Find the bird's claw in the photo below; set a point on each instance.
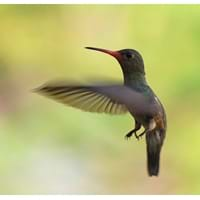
(137, 137)
(140, 135)
(129, 135)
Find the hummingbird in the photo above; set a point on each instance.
(134, 96)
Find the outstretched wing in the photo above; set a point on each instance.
(87, 98)
(112, 99)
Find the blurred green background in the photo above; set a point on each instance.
(48, 148)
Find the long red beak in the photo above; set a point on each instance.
(115, 54)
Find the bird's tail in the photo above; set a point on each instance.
(154, 141)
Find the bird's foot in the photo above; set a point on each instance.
(129, 135)
(141, 134)
(136, 136)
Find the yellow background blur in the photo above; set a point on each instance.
(48, 148)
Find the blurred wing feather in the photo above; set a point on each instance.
(87, 98)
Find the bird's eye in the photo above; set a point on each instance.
(129, 55)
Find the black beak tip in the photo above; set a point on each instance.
(89, 48)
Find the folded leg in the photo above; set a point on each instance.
(137, 127)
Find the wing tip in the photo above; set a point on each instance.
(39, 89)
(36, 90)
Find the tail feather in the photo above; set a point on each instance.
(154, 141)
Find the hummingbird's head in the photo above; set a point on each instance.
(130, 60)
